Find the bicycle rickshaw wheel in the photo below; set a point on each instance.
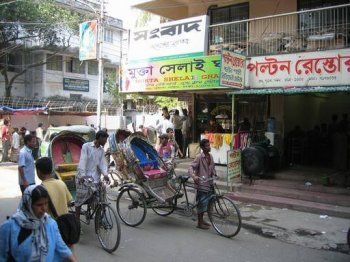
(131, 207)
(164, 210)
(224, 216)
(107, 227)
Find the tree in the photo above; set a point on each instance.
(41, 22)
(170, 102)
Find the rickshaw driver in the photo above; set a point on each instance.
(92, 163)
(203, 167)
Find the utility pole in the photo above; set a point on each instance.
(100, 35)
(100, 65)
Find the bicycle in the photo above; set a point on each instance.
(107, 226)
(112, 189)
(223, 214)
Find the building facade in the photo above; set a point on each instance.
(62, 74)
(297, 72)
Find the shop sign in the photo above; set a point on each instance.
(195, 73)
(80, 85)
(323, 68)
(232, 69)
(88, 40)
(180, 38)
(233, 165)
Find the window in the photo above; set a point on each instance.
(14, 63)
(323, 21)
(229, 13)
(229, 33)
(92, 68)
(74, 65)
(108, 36)
(54, 62)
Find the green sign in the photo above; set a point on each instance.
(194, 73)
(72, 84)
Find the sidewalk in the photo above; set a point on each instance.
(301, 228)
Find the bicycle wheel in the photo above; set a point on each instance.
(107, 228)
(224, 216)
(163, 209)
(131, 207)
(112, 192)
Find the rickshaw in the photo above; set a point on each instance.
(65, 150)
(150, 184)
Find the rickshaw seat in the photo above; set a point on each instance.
(67, 175)
(154, 174)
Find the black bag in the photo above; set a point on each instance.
(68, 225)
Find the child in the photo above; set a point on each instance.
(172, 140)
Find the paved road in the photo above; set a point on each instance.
(174, 238)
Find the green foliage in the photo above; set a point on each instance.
(40, 20)
(170, 102)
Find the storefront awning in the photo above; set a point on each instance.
(291, 91)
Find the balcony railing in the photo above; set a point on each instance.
(309, 30)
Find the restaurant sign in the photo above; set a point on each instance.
(232, 69)
(193, 73)
(324, 68)
(71, 84)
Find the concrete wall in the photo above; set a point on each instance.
(31, 122)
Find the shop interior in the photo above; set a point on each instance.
(301, 126)
(298, 125)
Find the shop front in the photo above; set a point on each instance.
(304, 107)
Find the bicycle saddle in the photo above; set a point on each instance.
(183, 178)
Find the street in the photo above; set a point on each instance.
(173, 238)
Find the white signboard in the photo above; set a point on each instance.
(324, 68)
(176, 39)
(232, 69)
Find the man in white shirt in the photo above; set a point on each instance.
(92, 163)
(39, 131)
(164, 125)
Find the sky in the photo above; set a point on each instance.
(122, 10)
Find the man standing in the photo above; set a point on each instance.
(92, 163)
(57, 189)
(40, 132)
(186, 132)
(6, 141)
(15, 145)
(177, 122)
(201, 169)
(26, 171)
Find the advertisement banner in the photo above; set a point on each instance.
(88, 40)
(193, 73)
(323, 68)
(71, 84)
(232, 72)
(233, 166)
(176, 39)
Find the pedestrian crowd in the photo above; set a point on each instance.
(13, 141)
